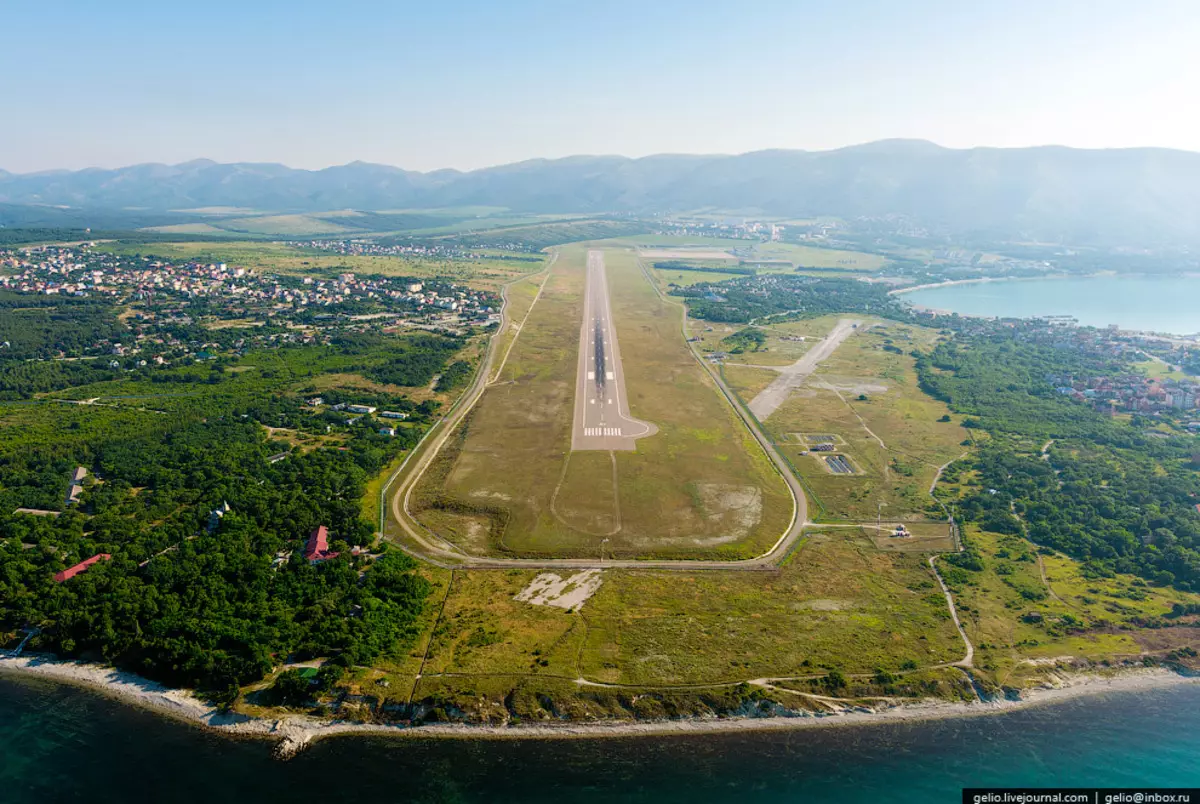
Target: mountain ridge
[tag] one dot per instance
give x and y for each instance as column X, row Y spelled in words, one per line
column 1138, row 196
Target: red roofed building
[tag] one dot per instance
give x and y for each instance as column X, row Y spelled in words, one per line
column 82, row 566
column 317, row 548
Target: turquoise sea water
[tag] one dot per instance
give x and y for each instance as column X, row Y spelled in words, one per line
column 58, row 743
column 1155, row 305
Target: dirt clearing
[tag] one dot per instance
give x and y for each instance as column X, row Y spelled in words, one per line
column 549, row 589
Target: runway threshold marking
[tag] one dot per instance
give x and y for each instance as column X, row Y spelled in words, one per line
column 599, row 432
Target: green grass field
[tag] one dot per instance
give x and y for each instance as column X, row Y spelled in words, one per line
column 521, row 295
column 286, row 225
column 1020, row 623
column 701, row 486
column 815, row 257
column 837, row 603
column 1158, row 370
column 865, row 394
column 280, row 258
column 187, row 228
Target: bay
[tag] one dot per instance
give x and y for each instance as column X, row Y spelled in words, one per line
column 1167, row 305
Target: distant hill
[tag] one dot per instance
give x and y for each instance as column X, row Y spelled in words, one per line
column 1143, row 196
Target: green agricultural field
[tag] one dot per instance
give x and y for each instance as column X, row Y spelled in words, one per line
column 508, row 482
column 779, row 258
column 281, row 225
column 544, row 234
column 670, row 241
column 280, row 258
column 688, row 278
column 187, row 228
column 487, row 223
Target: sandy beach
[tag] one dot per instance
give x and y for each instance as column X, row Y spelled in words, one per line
column 985, row 279
column 292, row 733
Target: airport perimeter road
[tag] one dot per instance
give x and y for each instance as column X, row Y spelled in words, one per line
column 602, row 419
column 792, row 377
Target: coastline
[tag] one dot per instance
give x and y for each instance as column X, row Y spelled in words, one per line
column 1188, row 337
column 293, row 732
column 984, row 279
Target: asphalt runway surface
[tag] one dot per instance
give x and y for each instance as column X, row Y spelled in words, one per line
column 602, row 420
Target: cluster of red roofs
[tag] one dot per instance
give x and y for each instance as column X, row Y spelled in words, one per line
column 316, row 549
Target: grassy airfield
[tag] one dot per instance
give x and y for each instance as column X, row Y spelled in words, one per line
column 865, row 396
column 509, row 482
column 849, row 600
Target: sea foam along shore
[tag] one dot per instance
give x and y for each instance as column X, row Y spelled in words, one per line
column 293, row 733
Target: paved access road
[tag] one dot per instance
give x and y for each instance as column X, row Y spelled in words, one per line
column 602, row 420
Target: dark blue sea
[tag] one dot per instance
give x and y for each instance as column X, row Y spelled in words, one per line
column 59, row 743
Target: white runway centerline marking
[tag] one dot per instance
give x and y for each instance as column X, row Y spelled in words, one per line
column 600, row 380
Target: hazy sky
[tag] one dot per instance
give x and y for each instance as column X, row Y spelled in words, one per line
column 444, row 83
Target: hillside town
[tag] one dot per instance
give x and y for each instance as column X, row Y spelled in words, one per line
column 260, row 308
column 1130, row 393
column 1120, row 391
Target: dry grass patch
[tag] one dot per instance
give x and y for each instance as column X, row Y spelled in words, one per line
column 676, row 628
column 485, row 628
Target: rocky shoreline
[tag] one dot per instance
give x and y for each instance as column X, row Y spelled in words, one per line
column 293, row 733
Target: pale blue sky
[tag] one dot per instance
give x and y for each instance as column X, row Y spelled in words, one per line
column 469, row 84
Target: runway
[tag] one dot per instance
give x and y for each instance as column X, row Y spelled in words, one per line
column 602, row 420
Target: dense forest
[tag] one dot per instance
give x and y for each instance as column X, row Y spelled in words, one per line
column 192, row 604
column 1116, row 494
column 190, row 597
column 417, row 361
column 753, row 298
column 455, row 376
column 42, row 326
column 747, row 338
